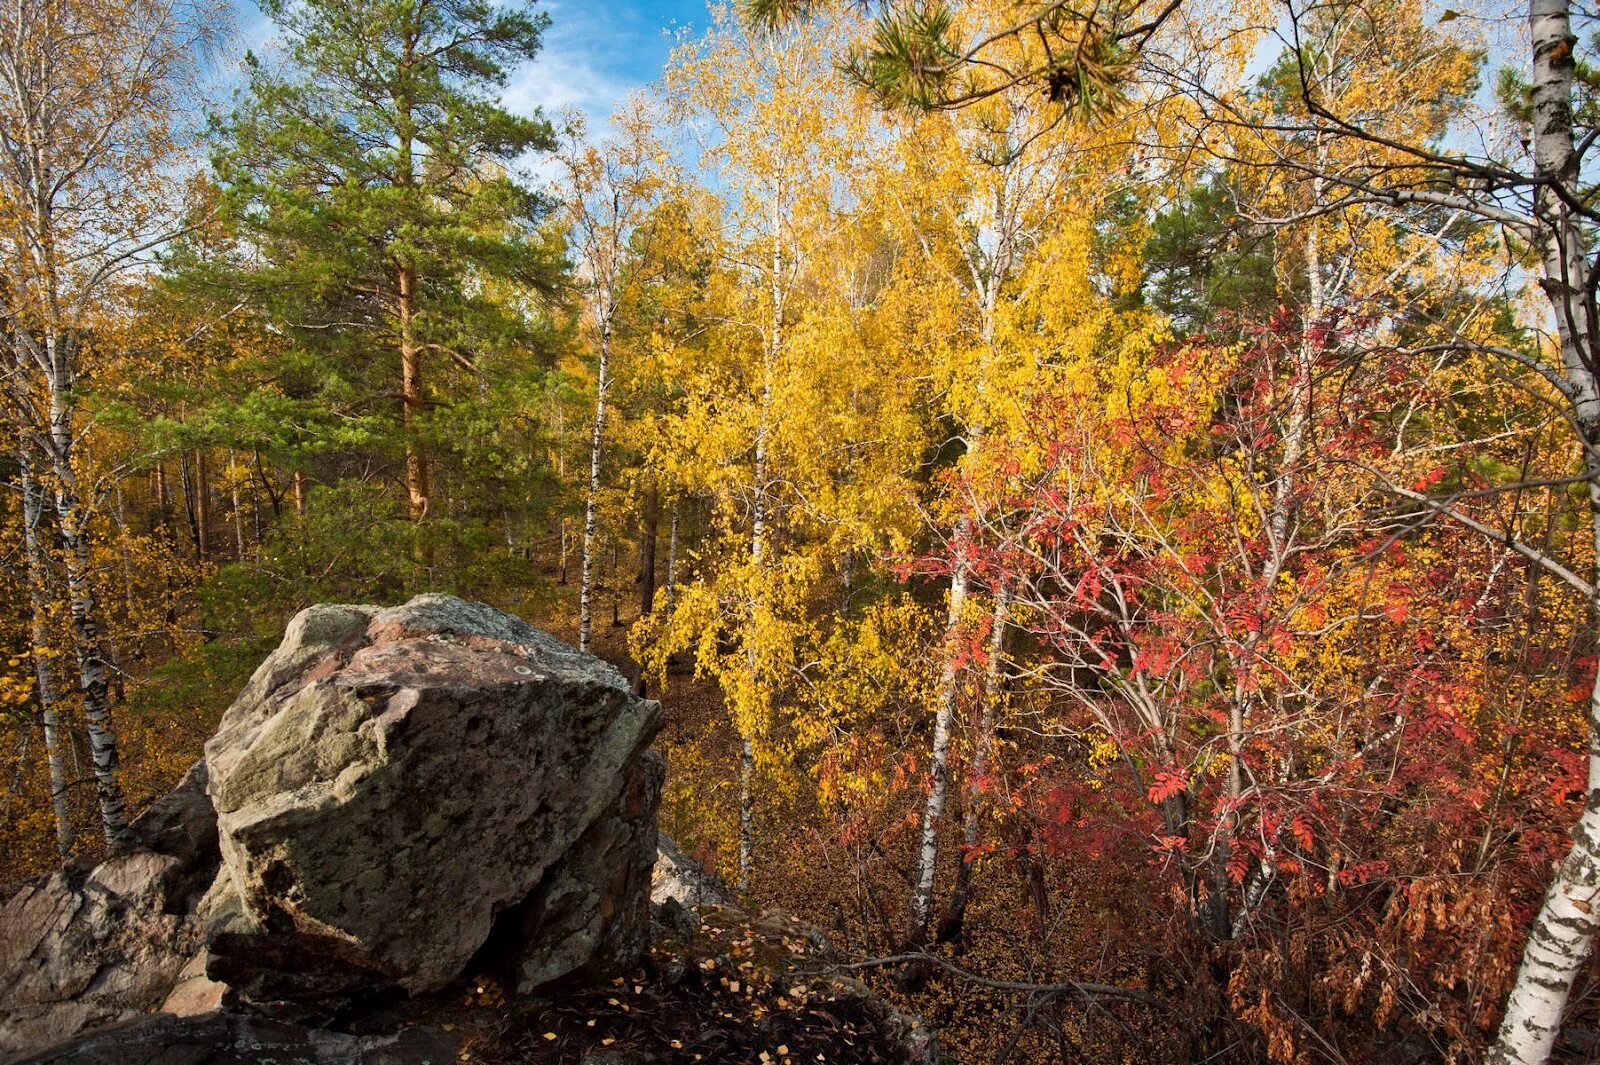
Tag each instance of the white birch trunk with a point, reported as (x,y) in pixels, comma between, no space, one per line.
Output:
(758,554)
(939,767)
(83,602)
(39,635)
(1563,932)
(591,497)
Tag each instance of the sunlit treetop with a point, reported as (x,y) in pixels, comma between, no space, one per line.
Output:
(926,55)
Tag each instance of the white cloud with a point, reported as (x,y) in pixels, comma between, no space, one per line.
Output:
(567,72)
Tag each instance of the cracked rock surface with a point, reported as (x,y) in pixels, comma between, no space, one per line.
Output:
(395,788)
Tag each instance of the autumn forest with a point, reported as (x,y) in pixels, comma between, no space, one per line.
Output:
(1107,494)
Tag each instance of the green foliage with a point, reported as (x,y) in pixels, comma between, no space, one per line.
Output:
(1203,260)
(926,55)
(378,157)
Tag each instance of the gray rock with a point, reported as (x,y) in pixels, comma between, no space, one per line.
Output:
(90,946)
(406,793)
(682,879)
(582,934)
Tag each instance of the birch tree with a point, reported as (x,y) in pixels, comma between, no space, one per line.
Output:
(787,418)
(33,548)
(89,98)
(1541,200)
(607,190)
(1020,70)
(979,189)
(766,121)
(1334,259)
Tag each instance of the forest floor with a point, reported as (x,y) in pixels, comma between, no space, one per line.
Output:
(1038,920)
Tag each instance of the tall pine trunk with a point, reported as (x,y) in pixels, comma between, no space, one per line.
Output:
(411,399)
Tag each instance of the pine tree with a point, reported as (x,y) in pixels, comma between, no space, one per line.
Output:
(372,172)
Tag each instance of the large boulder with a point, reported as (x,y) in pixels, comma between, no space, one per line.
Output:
(88,946)
(404,795)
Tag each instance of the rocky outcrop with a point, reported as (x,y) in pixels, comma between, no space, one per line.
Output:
(405,793)
(399,797)
(90,946)
(681,879)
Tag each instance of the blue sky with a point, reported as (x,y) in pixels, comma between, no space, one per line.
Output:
(595,52)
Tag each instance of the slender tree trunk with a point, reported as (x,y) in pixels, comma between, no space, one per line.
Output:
(299,493)
(273,496)
(130,600)
(982,753)
(163,501)
(747,813)
(186,482)
(92,672)
(1219,905)
(1302,378)
(39,638)
(84,604)
(943,722)
(616,585)
(238,511)
(939,766)
(1296,440)
(202,505)
(649,534)
(411,397)
(411,400)
(758,554)
(591,497)
(1562,936)
(988,282)
(672,562)
(563,527)
(255,514)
